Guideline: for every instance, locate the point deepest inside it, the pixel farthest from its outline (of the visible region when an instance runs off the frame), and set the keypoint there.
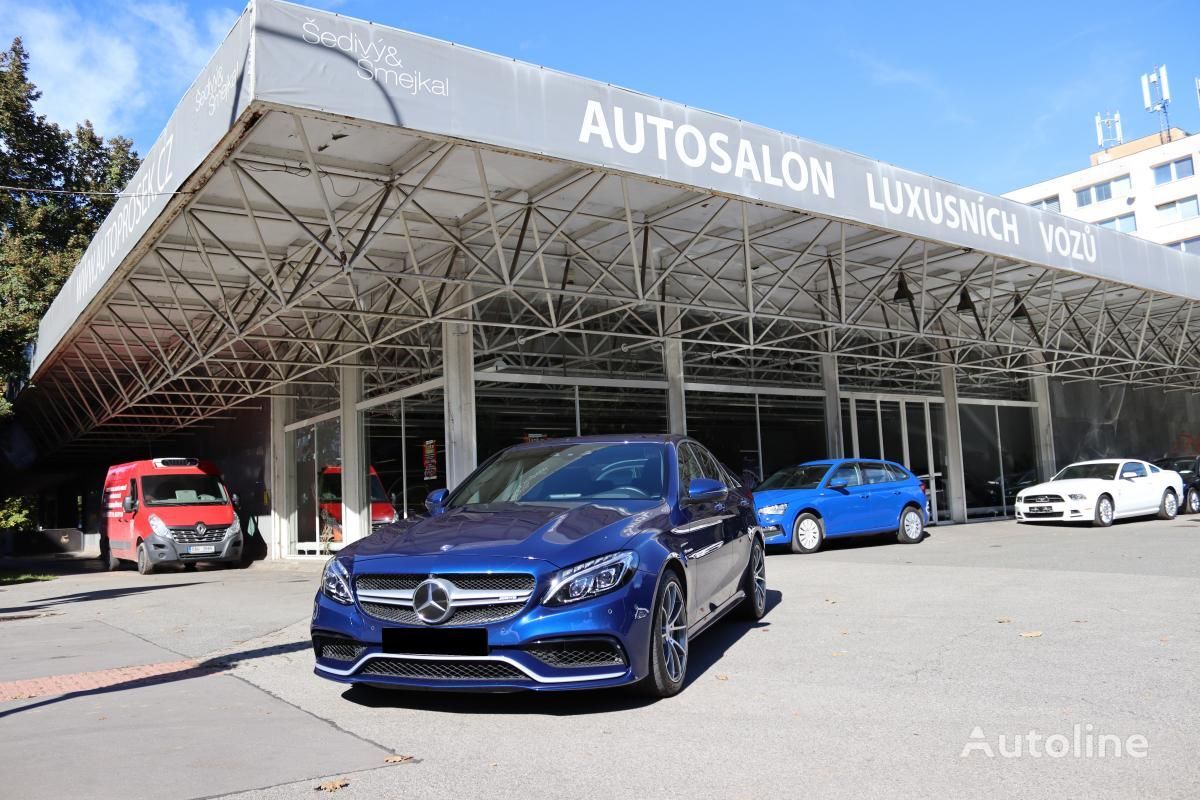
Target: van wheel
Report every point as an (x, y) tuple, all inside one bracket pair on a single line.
[(143, 560), (112, 563)]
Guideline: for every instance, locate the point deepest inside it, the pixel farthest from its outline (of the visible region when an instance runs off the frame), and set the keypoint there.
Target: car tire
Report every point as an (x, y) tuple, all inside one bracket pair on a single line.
[(808, 533), (1168, 507), (143, 560), (754, 583), (1193, 501), (911, 529), (1105, 511), (668, 662)]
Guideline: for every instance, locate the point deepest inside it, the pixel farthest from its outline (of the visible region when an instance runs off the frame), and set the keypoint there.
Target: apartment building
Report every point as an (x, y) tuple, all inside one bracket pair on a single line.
[(1147, 187)]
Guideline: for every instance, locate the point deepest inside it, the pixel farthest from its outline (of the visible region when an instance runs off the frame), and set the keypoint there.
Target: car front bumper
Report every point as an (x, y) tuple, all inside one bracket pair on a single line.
[(165, 550), (1065, 511), (537, 649)]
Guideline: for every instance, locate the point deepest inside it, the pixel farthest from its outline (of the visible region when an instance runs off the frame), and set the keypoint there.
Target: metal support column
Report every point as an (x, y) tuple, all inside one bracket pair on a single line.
[(676, 402), (834, 446), (356, 503), (282, 481), (955, 481), (1043, 428), (458, 363)]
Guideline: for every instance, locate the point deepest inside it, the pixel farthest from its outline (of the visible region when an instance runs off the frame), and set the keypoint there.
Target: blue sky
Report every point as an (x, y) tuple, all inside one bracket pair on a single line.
[(993, 96)]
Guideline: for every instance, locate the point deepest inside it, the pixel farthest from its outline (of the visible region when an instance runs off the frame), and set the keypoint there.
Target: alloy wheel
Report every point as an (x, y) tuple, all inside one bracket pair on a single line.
[(759, 566), (1106, 510), (912, 525), (1194, 501), (810, 533), (1171, 505), (673, 632)]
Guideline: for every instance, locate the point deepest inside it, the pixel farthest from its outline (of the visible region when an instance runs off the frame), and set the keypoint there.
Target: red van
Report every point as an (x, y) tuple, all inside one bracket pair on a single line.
[(169, 511), (382, 510)]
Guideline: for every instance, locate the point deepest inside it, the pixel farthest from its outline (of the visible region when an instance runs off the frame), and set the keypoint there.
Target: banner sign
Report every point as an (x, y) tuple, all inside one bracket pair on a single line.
[(429, 459)]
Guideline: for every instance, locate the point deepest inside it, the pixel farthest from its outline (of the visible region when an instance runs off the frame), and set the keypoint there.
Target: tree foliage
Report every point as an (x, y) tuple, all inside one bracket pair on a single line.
[(46, 222)]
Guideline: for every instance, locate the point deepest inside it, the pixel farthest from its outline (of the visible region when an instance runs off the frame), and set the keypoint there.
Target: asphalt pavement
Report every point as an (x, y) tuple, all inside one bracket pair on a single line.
[(881, 670)]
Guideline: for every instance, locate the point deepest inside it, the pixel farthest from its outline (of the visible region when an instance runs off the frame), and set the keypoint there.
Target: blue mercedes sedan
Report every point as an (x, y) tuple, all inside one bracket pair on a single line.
[(803, 505), (560, 564)]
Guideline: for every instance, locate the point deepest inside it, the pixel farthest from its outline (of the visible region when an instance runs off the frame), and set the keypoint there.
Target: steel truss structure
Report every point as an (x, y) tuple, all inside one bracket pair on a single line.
[(317, 241)]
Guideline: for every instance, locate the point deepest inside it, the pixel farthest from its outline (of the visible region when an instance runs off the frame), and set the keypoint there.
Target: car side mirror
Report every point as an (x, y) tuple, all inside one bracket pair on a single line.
[(705, 490), (435, 501), (838, 484), (237, 501), (1129, 475), (128, 504)]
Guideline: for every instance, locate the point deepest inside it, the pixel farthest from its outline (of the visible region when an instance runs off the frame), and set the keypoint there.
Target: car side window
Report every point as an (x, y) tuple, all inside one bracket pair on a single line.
[(133, 492), (847, 473), (709, 468), (897, 473), (1134, 467), (874, 472), (689, 466), (1154, 469)]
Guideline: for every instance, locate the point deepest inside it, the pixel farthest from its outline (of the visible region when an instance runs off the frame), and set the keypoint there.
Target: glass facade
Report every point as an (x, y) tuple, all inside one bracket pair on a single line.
[(999, 457)]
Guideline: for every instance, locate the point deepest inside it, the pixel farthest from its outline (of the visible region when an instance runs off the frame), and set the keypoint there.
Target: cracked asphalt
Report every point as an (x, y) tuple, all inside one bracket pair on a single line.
[(878, 666)]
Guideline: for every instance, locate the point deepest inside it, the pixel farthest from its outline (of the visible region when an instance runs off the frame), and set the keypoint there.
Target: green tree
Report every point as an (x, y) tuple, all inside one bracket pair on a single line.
[(57, 203)]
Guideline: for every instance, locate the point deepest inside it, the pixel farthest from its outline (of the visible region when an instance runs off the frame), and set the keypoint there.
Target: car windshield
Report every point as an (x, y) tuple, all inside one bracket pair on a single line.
[(183, 490), (805, 476), (331, 488), (571, 474), (1075, 472), (1184, 466)]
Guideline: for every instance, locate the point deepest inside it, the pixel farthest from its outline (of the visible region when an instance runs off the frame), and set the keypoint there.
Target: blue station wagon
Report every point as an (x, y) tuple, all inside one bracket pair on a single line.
[(805, 504)]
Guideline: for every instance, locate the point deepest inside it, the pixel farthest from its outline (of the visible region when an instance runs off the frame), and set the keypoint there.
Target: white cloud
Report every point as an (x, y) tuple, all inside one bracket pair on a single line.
[(114, 64)]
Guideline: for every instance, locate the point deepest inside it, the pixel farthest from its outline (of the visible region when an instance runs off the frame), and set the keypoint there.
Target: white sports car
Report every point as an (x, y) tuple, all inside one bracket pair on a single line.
[(1101, 491)]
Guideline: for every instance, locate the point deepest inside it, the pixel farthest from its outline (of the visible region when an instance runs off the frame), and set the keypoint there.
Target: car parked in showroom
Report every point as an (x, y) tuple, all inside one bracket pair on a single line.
[(559, 564), (1188, 468), (804, 505), (1102, 491)]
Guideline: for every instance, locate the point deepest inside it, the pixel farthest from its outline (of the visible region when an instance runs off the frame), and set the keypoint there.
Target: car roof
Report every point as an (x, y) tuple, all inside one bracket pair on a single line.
[(606, 438), (838, 461), (1102, 461)]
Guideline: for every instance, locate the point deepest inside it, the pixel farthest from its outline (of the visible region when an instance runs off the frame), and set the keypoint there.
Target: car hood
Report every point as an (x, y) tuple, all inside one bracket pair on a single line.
[(558, 535), (771, 497), (1087, 486)]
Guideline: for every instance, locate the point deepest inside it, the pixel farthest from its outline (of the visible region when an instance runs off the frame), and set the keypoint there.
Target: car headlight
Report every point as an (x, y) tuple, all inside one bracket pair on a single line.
[(157, 526), (1077, 496), (591, 578), (235, 528), (335, 582), (774, 510)]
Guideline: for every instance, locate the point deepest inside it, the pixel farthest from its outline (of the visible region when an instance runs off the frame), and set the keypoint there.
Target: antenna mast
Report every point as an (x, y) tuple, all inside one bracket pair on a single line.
[(1108, 130), (1156, 96)]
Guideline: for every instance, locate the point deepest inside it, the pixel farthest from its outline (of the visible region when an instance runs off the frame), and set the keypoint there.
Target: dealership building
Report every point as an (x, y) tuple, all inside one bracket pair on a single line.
[(358, 261)]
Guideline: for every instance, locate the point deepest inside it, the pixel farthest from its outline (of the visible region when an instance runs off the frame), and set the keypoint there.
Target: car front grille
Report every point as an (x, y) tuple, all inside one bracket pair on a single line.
[(578, 653), (336, 649), (189, 535), (434, 670), (1043, 498), (495, 582), (467, 615)]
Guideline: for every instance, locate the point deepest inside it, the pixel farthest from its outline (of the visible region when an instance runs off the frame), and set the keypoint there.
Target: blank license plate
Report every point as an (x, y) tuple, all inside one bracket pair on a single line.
[(1040, 509), (202, 548), (436, 642)]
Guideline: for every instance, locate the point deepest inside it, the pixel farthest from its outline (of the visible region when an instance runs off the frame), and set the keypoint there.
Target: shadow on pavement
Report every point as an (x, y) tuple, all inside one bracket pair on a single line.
[(211, 666), (703, 654), (83, 597)]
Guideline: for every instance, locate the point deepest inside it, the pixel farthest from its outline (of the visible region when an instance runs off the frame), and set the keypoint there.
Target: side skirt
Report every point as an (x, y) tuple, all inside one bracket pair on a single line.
[(712, 618)]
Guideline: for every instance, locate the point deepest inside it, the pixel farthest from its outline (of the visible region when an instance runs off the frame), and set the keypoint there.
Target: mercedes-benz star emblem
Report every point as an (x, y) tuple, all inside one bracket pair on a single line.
[(431, 601), (201, 529)]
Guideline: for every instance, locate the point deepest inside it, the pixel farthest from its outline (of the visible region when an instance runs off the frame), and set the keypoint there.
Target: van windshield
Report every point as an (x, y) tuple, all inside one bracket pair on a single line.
[(183, 490)]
